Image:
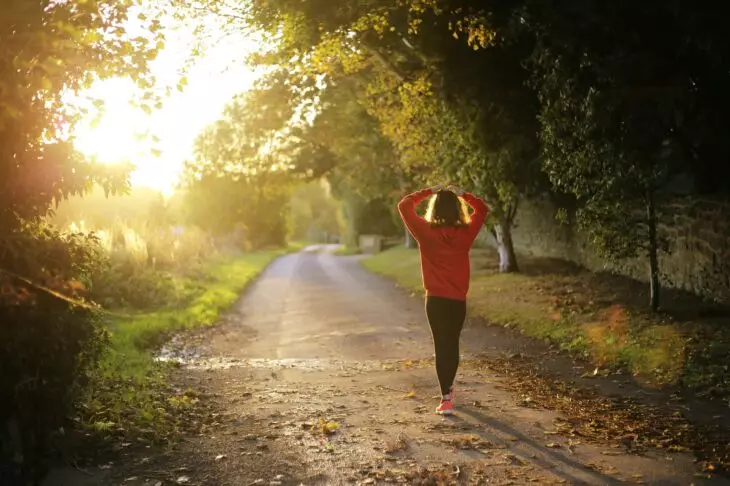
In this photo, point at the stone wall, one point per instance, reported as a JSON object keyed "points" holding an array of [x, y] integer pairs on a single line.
{"points": [[698, 232]]}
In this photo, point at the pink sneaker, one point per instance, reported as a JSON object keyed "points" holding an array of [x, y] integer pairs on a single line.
{"points": [[451, 392], [445, 408]]}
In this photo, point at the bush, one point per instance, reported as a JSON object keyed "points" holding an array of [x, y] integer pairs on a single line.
{"points": [[48, 345], [47, 352], [142, 265], [124, 286]]}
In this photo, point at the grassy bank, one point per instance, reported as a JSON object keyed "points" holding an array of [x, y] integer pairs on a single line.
{"points": [[215, 287], [130, 395], [347, 251], [601, 317]]}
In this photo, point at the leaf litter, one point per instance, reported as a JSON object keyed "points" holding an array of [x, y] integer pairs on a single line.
{"points": [[630, 426]]}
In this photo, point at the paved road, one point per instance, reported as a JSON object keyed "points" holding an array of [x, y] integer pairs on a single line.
{"points": [[316, 305], [317, 340], [341, 335]]}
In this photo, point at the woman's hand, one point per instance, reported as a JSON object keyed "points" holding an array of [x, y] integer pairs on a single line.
{"points": [[456, 190], [437, 188]]}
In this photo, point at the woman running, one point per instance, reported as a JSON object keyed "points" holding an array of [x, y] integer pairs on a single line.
{"points": [[444, 239]]}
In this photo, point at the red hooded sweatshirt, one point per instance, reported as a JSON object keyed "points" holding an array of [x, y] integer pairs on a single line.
{"points": [[444, 251]]}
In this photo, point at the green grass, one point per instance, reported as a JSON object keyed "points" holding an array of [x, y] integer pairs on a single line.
{"points": [[347, 250], [218, 285], [400, 264], [130, 392], [295, 246], [603, 318]]}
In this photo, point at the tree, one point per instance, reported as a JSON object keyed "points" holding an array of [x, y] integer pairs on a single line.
{"points": [[50, 338], [475, 126], [619, 114], [315, 214], [50, 48], [452, 108], [240, 170], [364, 173], [255, 208]]}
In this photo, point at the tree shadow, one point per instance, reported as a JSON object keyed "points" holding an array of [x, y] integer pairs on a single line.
{"points": [[552, 460], [571, 471], [695, 331]]}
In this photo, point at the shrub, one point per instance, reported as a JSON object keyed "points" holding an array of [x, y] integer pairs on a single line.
{"points": [[49, 345]]}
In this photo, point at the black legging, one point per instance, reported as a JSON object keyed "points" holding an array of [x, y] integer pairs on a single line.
{"points": [[446, 318]]}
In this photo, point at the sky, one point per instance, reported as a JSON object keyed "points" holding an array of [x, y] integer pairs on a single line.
{"points": [[213, 79]]}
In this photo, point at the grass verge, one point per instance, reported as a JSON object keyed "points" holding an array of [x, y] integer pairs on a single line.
{"points": [[130, 396], [601, 317], [347, 250]]}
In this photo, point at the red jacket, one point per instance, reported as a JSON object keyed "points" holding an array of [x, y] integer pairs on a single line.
{"points": [[444, 251]]}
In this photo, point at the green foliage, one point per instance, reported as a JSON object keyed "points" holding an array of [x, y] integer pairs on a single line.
{"points": [[97, 210], [314, 213], [52, 47], [48, 351], [240, 177], [450, 111], [254, 208], [129, 286], [49, 344], [142, 264], [610, 123], [365, 161], [596, 148], [364, 174], [49, 49], [644, 103]]}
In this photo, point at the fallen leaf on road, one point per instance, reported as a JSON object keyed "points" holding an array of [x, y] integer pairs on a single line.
{"points": [[183, 480], [220, 457], [553, 445], [326, 427], [410, 394]]}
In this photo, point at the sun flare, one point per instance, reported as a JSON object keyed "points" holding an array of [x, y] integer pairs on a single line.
{"points": [[158, 143]]}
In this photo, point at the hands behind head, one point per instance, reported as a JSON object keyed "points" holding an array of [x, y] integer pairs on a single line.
{"points": [[437, 188], [455, 189]]}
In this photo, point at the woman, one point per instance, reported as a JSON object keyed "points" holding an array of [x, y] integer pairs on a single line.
{"points": [[444, 239]]}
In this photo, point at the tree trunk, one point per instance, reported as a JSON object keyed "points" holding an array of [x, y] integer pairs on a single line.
{"points": [[505, 247], [654, 287], [410, 241]]}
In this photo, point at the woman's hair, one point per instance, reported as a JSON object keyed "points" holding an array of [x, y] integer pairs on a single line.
{"points": [[447, 209]]}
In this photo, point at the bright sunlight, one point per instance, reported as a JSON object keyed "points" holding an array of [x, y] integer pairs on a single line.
{"points": [[159, 142]]}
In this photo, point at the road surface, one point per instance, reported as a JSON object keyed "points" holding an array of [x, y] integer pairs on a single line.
{"points": [[323, 374]]}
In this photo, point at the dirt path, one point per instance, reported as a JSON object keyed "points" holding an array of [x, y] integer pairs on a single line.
{"points": [[323, 374]]}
